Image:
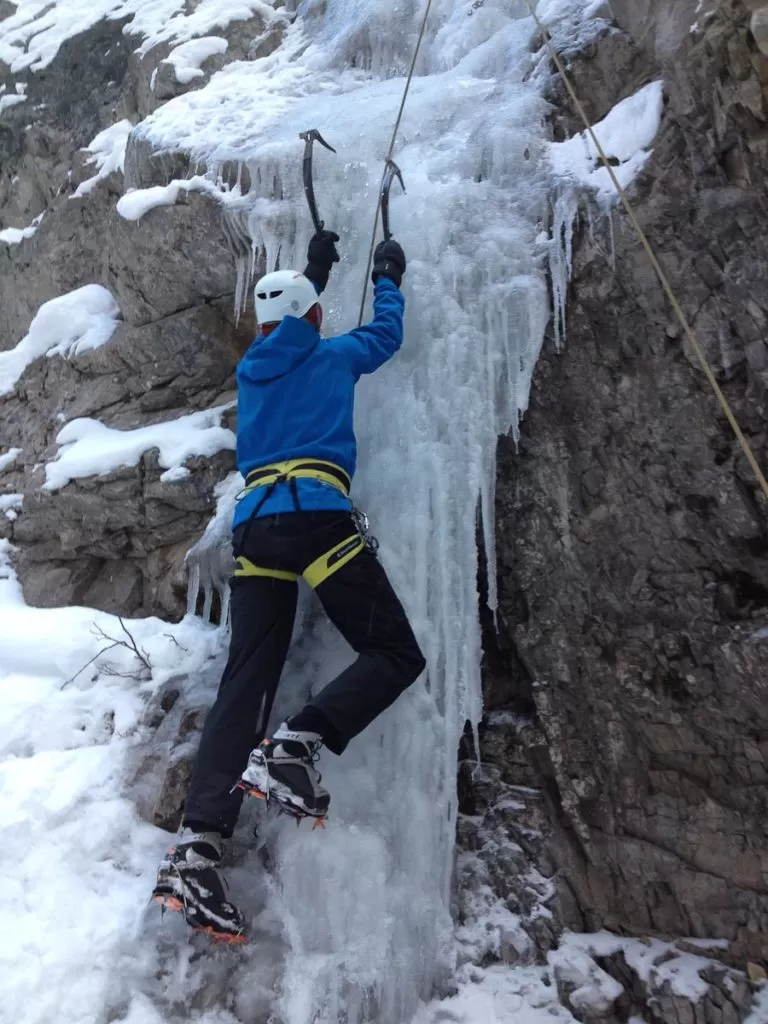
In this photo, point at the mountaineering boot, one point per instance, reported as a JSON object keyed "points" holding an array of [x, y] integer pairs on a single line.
{"points": [[188, 881], [282, 769]]}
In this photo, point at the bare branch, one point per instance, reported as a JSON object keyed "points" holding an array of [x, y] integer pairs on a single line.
{"points": [[112, 642]]}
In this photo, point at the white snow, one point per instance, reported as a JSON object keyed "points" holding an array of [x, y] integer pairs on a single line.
{"points": [[592, 991], [76, 861], [6, 102], [138, 201], [9, 458], [654, 961], [73, 323], [12, 236], [625, 135], [10, 505], [187, 58], [31, 37], [89, 448], [108, 149], [759, 1013]]}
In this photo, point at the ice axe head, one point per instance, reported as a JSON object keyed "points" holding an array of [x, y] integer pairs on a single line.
{"points": [[310, 137], [391, 171]]}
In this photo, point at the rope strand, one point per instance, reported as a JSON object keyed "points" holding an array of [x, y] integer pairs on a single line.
{"points": [[668, 290], [389, 157]]}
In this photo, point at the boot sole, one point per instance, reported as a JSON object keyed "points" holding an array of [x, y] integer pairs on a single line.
{"points": [[284, 803], [174, 904]]}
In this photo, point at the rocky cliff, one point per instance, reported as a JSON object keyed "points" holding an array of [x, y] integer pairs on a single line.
{"points": [[633, 569]]}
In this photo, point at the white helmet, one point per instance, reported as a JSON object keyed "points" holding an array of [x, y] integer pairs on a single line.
{"points": [[283, 293]]}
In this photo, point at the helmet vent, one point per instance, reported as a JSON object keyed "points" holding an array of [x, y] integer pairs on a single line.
{"points": [[274, 295]]}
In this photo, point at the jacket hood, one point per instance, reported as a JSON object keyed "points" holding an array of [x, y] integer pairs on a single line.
{"points": [[291, 342]]}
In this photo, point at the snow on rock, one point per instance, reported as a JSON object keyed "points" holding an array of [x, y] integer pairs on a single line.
{"points": [[187, 58], [498, 995], [12, 236], [31, 37], [89, 448], [10, 505], [591, 990], [759, 1014], [108, 149], [9, 458], [653, 960], [73, 323], [625, 134], [138, 201]]}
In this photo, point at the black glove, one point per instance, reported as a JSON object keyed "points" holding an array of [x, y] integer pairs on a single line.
{"points": [[389, 261], [322, 254]]}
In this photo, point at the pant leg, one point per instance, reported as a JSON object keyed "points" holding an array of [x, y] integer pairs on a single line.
{"points": [[360, 601], [262, 612]]}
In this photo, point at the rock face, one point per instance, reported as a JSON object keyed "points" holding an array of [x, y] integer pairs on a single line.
{"points": [[115, 542], [633, 570]]}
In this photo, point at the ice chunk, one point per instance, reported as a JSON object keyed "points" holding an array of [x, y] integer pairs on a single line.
{"points": [[76, 322]]}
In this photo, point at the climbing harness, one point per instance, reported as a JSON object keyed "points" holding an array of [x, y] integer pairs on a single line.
{"points": [[388, 159], [309, 137], [663, 279], [289, 472]]}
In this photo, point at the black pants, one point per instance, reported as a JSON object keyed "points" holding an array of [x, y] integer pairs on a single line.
{"points": [[360, 602]]}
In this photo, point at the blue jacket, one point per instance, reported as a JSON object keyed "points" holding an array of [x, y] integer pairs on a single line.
{"points": [[296, 400]]}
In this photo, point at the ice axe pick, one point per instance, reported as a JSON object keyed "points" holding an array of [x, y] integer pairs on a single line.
{"points": [[313, 135], [391, 171]]}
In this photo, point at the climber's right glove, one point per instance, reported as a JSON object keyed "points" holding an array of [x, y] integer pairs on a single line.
{"points": [[321, 255], [389, 261]]}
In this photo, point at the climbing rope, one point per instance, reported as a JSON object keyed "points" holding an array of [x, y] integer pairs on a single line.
{"points": [[683, 320], [389, 157]]}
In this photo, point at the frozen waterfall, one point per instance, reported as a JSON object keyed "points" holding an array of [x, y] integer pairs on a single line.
{"points": [[366, 902]]}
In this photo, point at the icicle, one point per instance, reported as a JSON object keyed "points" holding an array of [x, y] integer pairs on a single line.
{"points": [[193, 587]]}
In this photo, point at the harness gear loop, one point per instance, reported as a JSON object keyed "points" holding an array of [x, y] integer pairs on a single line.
{"points": [[389, 157], [663, 279]]}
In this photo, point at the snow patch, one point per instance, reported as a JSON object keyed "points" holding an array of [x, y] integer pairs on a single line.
{"points": [[594, 991], [77, 862], [187, 58], [9, 458], [653, 960], [89, 448], [108, 149], [31, 37], [625, 134], [10, 505], [73, 323], [12, 236], [138, 201]]}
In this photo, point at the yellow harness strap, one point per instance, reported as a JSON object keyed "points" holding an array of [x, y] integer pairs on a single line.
{"points": [[316, 573], [246, 568], [329, 563], [296, 469]]}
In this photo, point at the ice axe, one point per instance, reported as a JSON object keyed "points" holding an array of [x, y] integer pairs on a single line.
{"points": [[313, 135], [391, 171]]}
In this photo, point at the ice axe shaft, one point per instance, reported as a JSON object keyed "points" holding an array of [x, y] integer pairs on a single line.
{"points": [[313, 135], [391, 171]]}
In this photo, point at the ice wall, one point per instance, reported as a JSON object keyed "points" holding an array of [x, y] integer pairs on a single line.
{"points": [[365, 904]]}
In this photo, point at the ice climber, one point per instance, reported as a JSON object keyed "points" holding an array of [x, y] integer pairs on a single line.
{"points": [[296, 450]]}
